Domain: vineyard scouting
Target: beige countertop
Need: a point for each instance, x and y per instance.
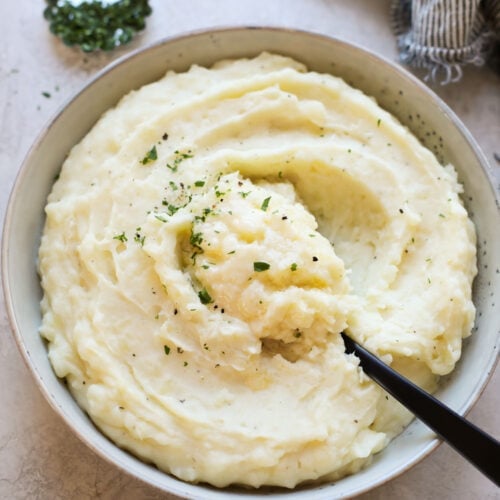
(40, 458)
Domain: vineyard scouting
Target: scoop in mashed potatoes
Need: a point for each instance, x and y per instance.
(207, 242)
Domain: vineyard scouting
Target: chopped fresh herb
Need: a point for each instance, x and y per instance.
(203, 217)
(164, 136)
(172, 209)
(243, 194)
(205, 297)
(199, 183)
(185, 363)
(173, 185)
(46, 94)
(150, 156)
(379, 121)
(261, 266)
(161, 218)
(166, 349)
(196, 239)
(280, 174)
(265, 204)
(178, 159)
(293, 267)
(98, 24)
(442, 215)
(121, 237)
(138, 238)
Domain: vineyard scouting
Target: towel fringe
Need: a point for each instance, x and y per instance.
(445, 63)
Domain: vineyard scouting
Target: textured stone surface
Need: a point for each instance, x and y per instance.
(39, 457)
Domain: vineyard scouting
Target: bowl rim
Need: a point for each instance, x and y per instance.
(127, 58)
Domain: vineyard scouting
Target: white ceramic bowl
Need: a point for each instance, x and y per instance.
(395, 89)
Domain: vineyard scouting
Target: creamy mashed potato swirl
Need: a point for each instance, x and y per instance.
(207, 242)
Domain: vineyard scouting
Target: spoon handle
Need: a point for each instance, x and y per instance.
(480, 449)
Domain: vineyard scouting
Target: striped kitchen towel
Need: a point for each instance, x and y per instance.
(443, 35)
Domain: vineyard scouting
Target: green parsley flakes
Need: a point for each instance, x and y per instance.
(178, 159)
(261, 266)
(196, 239)
(265, 204)
(172, 209)
(121, 237)
(293, 267)
(97, 24)
(199, 183)
(138, 237)
(151, 155)
(161, 218)
(204, 297)
(166, 349)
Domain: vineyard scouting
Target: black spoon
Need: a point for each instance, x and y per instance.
(480, 449)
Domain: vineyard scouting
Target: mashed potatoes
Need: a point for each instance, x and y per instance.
(210, 238)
